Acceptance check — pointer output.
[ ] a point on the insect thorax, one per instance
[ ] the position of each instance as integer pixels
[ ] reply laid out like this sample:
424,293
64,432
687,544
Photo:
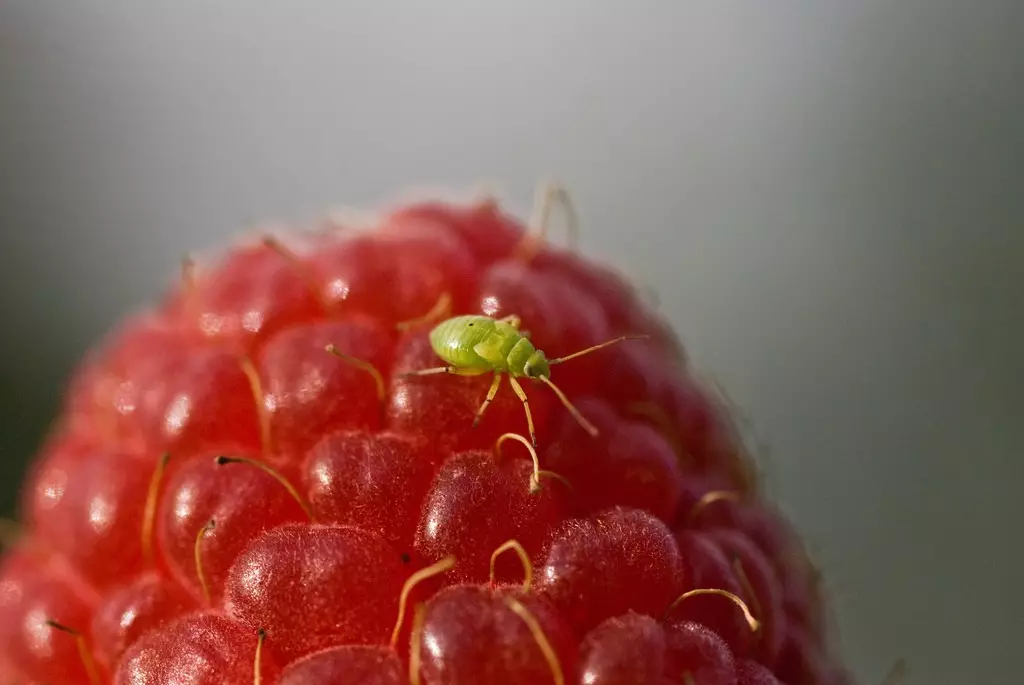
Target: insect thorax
527,360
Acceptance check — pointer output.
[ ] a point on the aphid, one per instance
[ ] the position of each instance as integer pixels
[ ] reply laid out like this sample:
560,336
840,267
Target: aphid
473,345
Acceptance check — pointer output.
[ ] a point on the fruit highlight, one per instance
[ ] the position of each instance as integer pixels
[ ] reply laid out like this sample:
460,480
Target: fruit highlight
252,482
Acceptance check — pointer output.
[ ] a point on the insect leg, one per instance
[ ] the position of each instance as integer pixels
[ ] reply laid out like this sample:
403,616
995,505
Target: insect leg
429,372
495,384
512,320
454,370
521,394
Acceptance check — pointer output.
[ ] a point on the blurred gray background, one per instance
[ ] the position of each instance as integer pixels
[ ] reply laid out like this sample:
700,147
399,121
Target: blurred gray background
826,195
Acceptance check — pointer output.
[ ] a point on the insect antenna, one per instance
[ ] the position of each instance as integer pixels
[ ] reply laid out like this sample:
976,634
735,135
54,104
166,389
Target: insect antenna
595,348
582,420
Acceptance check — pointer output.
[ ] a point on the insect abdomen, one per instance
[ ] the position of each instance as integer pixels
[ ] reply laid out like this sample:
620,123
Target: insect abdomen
453,340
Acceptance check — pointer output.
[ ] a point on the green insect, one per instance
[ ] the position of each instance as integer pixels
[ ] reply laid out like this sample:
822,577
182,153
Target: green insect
473,345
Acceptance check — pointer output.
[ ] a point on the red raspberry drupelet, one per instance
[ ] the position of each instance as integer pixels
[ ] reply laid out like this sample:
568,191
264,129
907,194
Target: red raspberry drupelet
225,502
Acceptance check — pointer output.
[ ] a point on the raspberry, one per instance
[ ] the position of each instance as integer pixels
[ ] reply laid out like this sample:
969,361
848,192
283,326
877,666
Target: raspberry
476,502
623,650
591,560
474,633
347,665
698,652
225,501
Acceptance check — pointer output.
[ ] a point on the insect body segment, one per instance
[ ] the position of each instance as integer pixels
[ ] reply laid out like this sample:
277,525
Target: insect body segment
480,342
473,345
